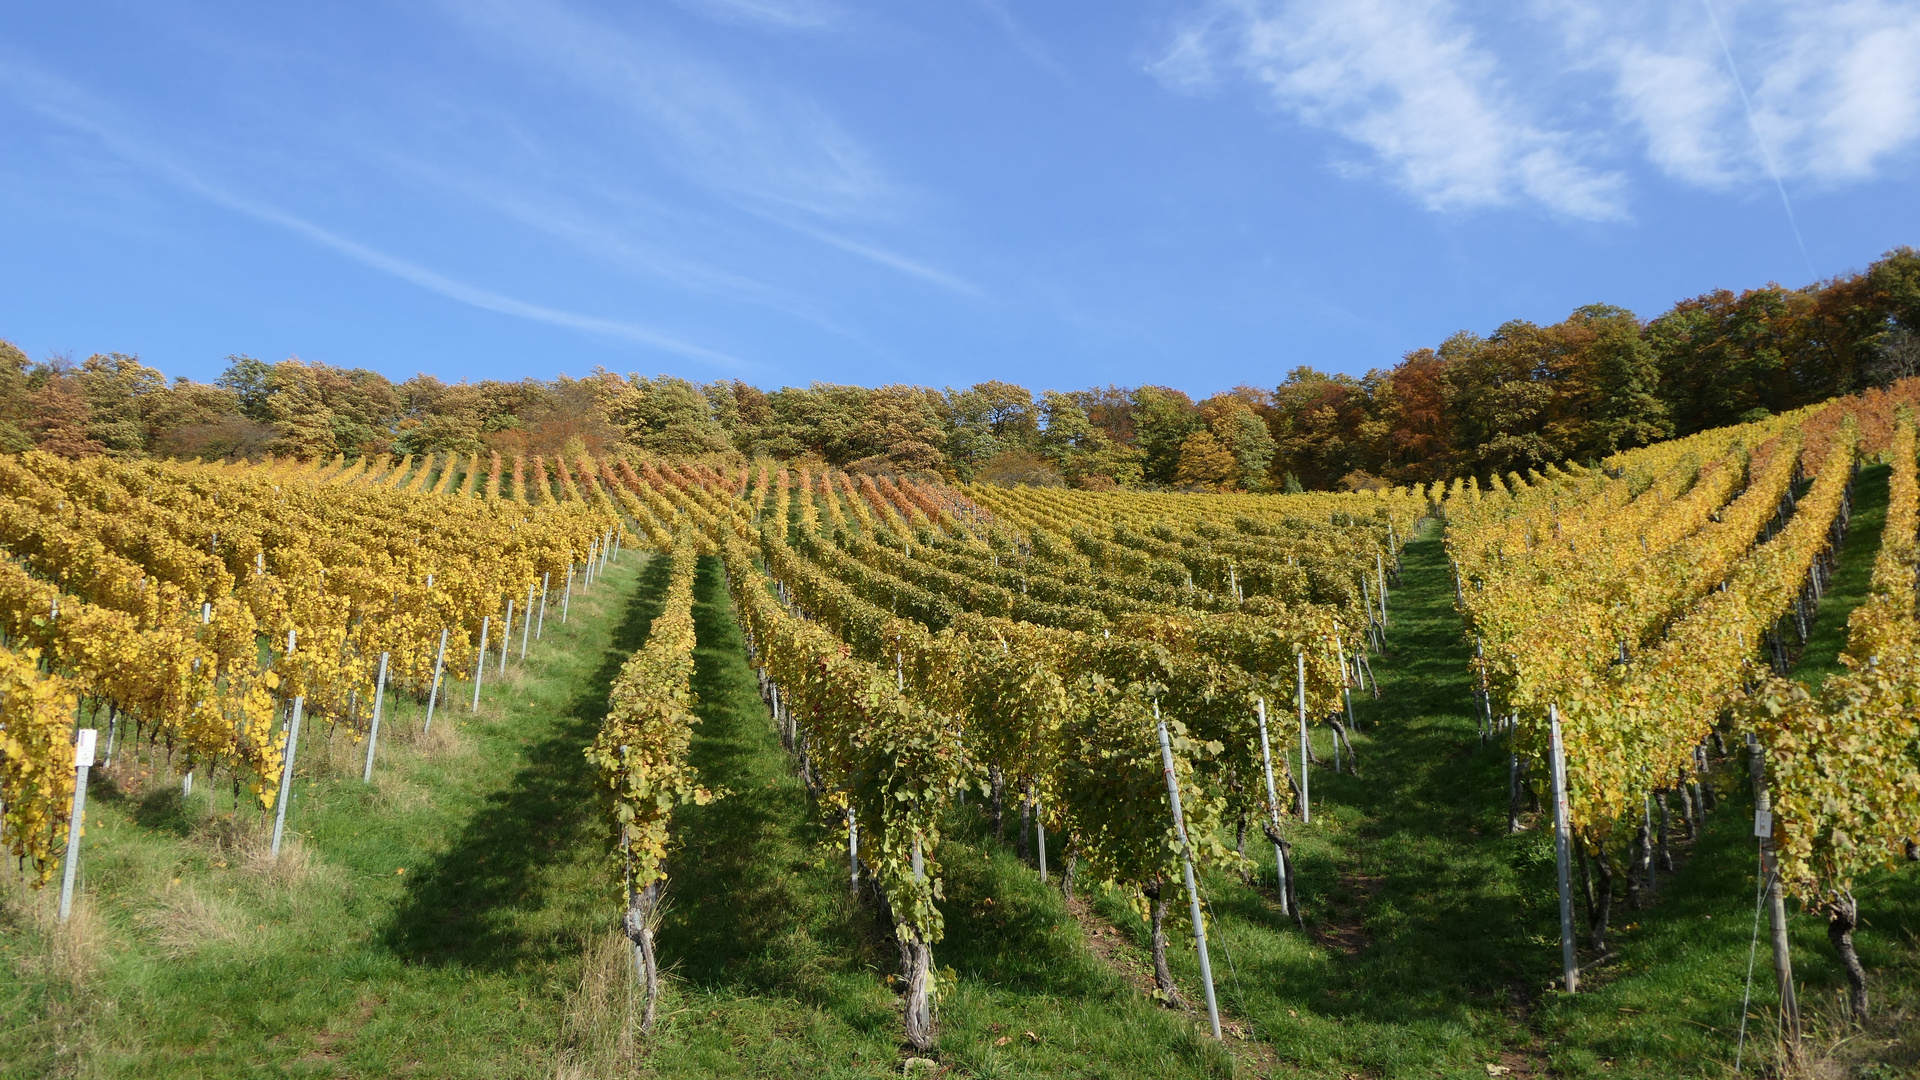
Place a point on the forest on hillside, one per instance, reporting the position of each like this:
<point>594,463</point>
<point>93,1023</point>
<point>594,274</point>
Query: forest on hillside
<point>1599,381</point>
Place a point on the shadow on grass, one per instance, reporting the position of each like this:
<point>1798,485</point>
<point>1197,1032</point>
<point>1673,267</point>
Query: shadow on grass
<point>759,903</point>
<point>1004,928</point>
<point>1852,579</point>
<point>748,910</point>
<point>1422,916</point>
<point>464,908</point>
<point>164,810</point>
<point>1460,920</point>
<point>1446,920</point>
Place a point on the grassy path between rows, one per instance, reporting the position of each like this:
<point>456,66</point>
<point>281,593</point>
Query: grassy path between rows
<point>456,919</point>
<point>778,972</point>
<point>1418,958</point>
<point>428,925</point>
<point>1852,579</point>
<point>1433,937</point>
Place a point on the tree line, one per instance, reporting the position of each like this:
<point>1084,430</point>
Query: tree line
<point>1599,381</point>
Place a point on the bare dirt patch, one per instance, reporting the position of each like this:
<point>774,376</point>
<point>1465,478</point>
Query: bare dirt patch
<point>1342,926</point>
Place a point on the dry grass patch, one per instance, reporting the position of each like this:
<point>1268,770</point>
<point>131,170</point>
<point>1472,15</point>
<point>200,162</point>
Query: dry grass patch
<point>448,739</point>
<point>295,865</point>
<point>244,842</point>
<point>65,960</point>
<point>597,1038</point>
<point>186,920</point>
<point>231,836</point>
<point>445,740</point>
<point>344,753</point>
<point>66,953</point>
<point>393,795</point>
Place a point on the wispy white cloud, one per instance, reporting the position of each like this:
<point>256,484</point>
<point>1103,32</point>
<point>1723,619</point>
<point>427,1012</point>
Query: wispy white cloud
<point>67,105</point>
<point>602,218</point>
<point>1680,104</point>
<point>747,138</point>
<point>1407,80</point>
<point>777,14</point>
<point>1465,109</point>
<point>1022,39</point>
<point>771,150</point>
<point>883,257</point>
<point>474,295</point>
<point>1834,87</point>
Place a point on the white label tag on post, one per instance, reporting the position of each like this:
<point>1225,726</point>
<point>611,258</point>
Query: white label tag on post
<point>83,748</point>
<point>1763,823</point>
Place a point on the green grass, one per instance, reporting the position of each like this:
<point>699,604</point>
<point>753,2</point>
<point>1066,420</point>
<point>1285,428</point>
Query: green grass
<point>435,928</point>
<point>1431,935</point>
<point>1424,949</point>
<point>778,972</point>
<point>440,922</point>
<point>1852,578</point>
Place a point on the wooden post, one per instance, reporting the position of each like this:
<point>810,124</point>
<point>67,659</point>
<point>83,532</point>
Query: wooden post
<point>286,773</point>
<point>82,763</point>
<point>1273,805</point>
<point>373,734</point>
<point>1561,850</point>
<point>1186,852</point>
<point>433,694</point>
<point>1306,814</point>
<point>480,663</point>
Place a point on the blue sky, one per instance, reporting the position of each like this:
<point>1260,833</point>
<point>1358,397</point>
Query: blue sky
<point>1196,193</point>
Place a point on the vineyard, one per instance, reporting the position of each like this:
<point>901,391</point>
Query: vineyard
<point>536,766</point>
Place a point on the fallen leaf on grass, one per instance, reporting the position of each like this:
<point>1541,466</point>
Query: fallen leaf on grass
<point>1003,1040</point>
